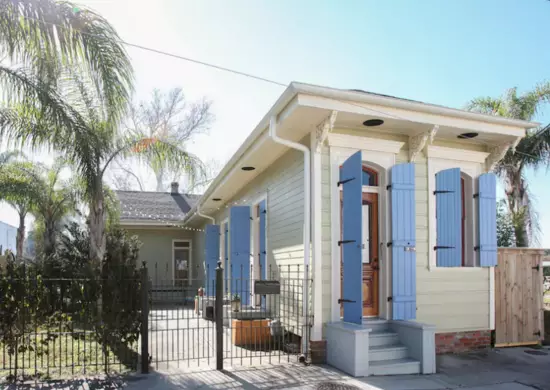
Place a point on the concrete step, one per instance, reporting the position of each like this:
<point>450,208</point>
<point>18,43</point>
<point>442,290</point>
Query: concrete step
<point>381,338</point>
<point>394,367</point>
<point>387,352</point>
<point>376,325</point>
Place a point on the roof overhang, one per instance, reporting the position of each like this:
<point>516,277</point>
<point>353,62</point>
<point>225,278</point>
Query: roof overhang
<point>302,107</point>
<point>149,224</point>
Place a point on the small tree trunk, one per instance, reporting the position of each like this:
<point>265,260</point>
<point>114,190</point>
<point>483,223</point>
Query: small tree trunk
<point>20,238</point>
<point>159,175</point>
<point>522,236</point>
<point>49,238</point>
<point>97,228</point>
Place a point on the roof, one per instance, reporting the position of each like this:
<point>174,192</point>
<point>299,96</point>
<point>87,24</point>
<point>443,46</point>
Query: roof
<point>155,206</point>
<point>335,95</point>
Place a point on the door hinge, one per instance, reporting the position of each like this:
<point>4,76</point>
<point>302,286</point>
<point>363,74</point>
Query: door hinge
<point>344,181</point>
<point>388,187</point>
<point>476,195</point>
<point>537,267</point>
<point>345,242</point>
<point>537,333</point>
<point>390,299</point>
<point>443,247</point>
<point>345,301</point>
<point>389,244</point>
<point>442,192</point>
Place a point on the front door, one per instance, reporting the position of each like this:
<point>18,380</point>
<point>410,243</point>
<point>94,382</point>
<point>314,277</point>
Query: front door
<point>371,264</point>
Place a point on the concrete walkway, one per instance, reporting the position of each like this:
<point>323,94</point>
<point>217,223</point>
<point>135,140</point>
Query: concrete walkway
<point>502,369</point>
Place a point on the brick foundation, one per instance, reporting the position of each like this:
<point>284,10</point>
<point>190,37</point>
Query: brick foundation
<point>462,341</point>
<point>318,351</point>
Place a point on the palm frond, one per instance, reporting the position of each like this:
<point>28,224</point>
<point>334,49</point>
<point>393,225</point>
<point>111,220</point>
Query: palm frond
<point>485,105</point>
<point>170,155</point>
<point>48,35</point>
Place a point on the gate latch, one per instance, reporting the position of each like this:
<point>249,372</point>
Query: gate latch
<point>345,301</point>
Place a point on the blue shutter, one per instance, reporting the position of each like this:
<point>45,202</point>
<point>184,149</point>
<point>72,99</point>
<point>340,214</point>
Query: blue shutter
<point>448,212</point>
<point>263,248</point>
<point>403,244</point>
<point>487,220</point>
<point>351,177</point>
<point>211,256</point>
<point>239,224</point>
<point>226,254</point>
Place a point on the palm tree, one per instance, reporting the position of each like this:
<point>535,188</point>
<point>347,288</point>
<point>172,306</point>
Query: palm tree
<point>14,186</point>
<point>90,140</point>
<point>45,36</point>
<point>35,189</point>
<point>533,151</point>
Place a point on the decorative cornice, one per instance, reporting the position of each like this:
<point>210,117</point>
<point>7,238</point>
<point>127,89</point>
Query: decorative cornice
<point>323,129</point>
<point>418,142</point>
<point>497,153</point>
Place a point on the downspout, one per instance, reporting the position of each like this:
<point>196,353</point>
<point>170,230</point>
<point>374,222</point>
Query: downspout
<point>307,211</point>
<point>205,216</point>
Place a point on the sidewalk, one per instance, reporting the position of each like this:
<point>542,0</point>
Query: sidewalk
<point>501,369</point>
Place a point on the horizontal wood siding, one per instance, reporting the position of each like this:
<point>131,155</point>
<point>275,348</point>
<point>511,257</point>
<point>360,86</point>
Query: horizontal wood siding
<point>283,183</point>
<point>452,299</point>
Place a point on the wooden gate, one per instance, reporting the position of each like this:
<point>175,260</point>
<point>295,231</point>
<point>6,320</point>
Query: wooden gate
<point>519,297</point>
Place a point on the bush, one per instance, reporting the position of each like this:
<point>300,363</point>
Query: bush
<point>66,291</point>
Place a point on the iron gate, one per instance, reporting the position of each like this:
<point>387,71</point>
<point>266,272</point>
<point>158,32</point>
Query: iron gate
<point>196,322</point>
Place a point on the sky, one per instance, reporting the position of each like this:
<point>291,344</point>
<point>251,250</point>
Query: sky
<point>441,52</point>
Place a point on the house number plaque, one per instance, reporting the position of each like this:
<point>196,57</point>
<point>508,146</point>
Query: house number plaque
<point>267,287</point>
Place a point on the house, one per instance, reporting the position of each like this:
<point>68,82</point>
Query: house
<point>168,248</point>
<point>398,209</point>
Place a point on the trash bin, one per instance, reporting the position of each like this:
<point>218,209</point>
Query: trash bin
<point>210,313</point>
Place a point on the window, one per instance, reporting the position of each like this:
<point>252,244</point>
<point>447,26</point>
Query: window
<point>181,254</point>
<point>467,220</point>
<point>370,177</point>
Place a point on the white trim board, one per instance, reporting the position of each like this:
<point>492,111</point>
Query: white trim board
<point>435,165</point>
<point>364,143</point>
<point>189,265</point>
<point>382,161</point>
<point>456,154</point>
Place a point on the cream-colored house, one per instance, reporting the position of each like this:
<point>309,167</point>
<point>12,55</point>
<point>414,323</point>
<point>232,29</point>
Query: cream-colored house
<point>397,191</point>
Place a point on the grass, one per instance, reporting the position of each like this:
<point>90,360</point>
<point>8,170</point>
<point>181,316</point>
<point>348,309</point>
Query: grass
<point>67,357</point>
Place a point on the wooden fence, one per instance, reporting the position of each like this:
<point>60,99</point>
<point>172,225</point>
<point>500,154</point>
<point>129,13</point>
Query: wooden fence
<point>519,307</point>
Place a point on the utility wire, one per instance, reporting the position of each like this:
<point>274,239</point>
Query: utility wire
<point>173,55</point>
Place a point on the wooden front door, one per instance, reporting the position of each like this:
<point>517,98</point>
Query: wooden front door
<point>371,265</point>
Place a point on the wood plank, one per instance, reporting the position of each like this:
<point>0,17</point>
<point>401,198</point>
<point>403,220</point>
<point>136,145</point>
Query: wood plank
<point>504,345</point>
<point>518,297</point>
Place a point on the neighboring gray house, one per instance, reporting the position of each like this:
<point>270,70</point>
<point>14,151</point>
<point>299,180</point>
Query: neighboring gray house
<point>168,248</point>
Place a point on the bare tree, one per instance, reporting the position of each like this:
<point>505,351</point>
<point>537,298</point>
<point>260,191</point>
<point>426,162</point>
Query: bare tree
<point>211,170</point>
<point>169,117</point>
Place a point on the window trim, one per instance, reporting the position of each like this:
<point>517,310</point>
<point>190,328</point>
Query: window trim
<point>189,266</point>
<point>472,164</point>
<point>255,247</point>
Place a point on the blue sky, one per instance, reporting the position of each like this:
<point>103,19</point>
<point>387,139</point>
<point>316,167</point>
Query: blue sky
<point>443,52</point>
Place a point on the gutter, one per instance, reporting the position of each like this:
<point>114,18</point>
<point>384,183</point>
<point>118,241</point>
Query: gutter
<point>279,105</point>
<point>205,216</point>
<point>307,207</point>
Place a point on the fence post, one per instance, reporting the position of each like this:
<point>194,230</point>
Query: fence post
<point>218,315</point>
<point>144,320</point>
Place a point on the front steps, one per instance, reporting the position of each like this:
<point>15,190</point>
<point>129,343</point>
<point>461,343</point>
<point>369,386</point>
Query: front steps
<point>387,356</point>
<point>381,347</point>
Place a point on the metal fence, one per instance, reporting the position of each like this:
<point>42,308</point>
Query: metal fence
<point>200,325</point>
<point>61,327</point>
<point>55,327</point>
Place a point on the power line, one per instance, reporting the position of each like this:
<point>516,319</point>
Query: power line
<point>173,55</point>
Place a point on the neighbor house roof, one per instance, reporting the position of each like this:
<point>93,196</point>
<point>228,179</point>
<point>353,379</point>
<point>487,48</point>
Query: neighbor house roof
<point>161,207</point>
